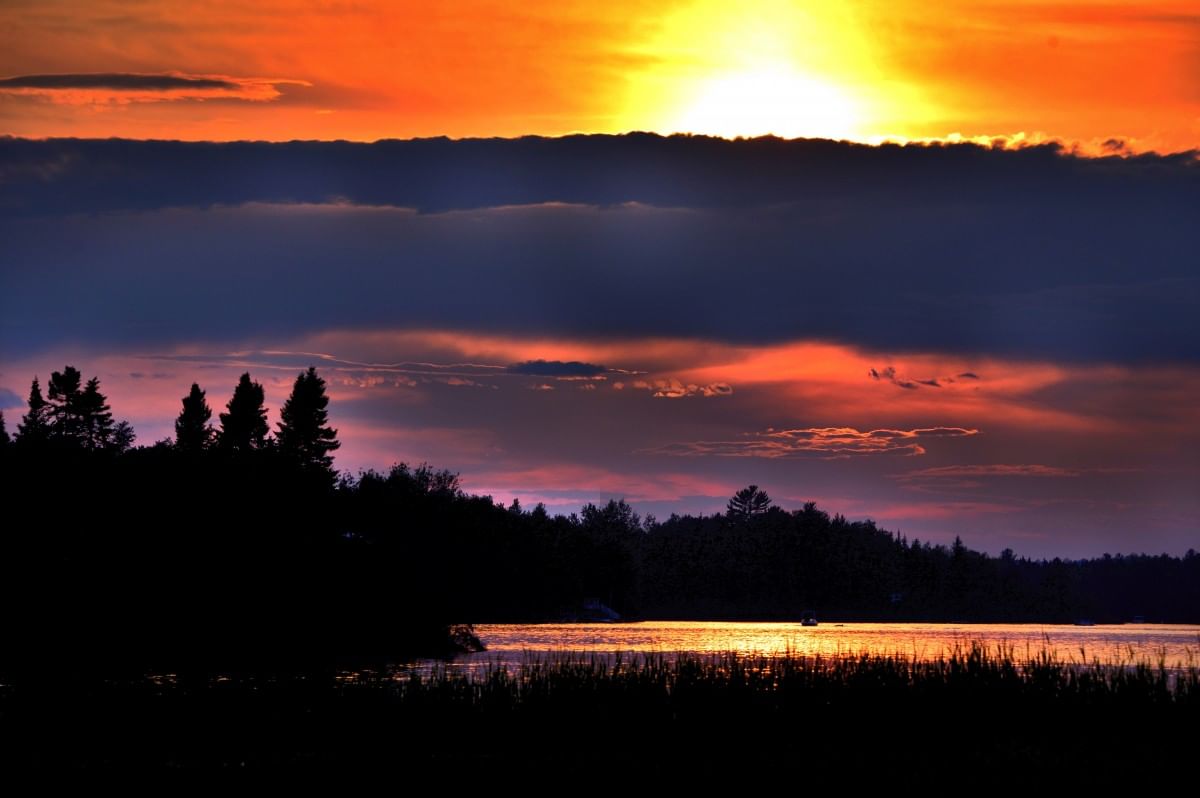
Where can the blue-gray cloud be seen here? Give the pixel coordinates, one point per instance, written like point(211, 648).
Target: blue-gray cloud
point(679, 171)
point(1027, 253)
point(9, 399)
point(557, 368)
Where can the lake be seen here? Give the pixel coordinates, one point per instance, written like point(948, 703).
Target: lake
point(511, 644)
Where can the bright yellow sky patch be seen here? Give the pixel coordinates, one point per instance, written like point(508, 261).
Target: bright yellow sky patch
point(767, 67)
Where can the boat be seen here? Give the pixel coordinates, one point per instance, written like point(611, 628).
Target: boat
point(808, 618)
point(593, 610)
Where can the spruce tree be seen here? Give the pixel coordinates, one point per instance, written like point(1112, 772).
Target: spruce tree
point(304, 431)
point(244, 427)
point(63, 412)
point(95, 421)
point(34, 428)
point(4, 440)
point(192, 431)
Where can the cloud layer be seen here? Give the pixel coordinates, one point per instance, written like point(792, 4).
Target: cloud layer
point(439, 174)
point(1027, 253)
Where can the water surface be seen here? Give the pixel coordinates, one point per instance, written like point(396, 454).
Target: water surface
point(512, 644)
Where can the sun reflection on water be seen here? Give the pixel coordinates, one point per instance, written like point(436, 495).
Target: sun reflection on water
point(512, 645)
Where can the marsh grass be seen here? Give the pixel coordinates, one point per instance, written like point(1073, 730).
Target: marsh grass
point(970, 708)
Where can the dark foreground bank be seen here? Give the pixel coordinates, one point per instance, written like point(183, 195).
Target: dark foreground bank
point(688, 715)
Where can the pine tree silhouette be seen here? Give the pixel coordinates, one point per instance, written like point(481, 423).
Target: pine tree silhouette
point(4, 439)
point(34, 428)
point(192, 431)
point(94, 417)
point(304, 431)
point(749, 501)
point(244, 427)
point(122, 438)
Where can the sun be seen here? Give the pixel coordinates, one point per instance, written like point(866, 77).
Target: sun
point(776, 100)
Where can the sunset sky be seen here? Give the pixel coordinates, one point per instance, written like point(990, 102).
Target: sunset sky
point(276, 70)
point(993, 331)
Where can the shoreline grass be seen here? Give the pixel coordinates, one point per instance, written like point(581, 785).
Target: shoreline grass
point(973, 707)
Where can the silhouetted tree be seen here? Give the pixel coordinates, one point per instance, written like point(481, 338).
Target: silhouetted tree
point(95, 421)
point(244, 427)
point(4, 440)
point(192, 430)
point(428, 480)
point(749, 501)
point(304, 431)
point(122, 437)
point(63, 406)
point(615, 519)
point(35, 426)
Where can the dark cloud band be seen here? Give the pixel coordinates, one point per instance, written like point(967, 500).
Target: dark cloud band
point(557, 368)
point(679, 171)
point(1022, 254)
point(114, 81)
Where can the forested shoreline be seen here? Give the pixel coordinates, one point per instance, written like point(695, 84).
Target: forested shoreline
point(231, 546)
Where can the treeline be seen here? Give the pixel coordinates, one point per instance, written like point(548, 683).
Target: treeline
point(218, 550)
point(230, 545)
point(753, 562)
point(772, 564)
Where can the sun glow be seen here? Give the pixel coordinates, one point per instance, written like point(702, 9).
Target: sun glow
point(767, 67)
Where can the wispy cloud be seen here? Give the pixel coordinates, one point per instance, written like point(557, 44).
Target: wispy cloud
point(565, 370)
point(410, 373)
point(675, 389)
point(821, 442)
point(983, 480)
point(993, 470)
point(116, 81)
point(889, 374)
point(128, 87)
point(287, 360)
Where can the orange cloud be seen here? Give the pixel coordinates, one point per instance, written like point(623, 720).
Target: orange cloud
point(674, 389)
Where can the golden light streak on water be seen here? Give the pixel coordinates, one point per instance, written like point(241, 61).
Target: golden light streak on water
point(510, 644)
